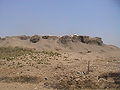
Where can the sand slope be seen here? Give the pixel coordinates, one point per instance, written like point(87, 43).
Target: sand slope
point(52, 65)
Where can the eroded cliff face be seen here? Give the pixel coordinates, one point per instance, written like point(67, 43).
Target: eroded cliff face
point(65, 39)
point(63, 43)
point(83, 39)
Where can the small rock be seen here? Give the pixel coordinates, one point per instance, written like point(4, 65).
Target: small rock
point(34, 39)
point(46, 78)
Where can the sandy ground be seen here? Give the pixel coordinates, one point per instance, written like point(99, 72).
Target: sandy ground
point(43, 71)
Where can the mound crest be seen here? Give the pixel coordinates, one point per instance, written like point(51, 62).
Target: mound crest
point(84, 39)
point(61, 39)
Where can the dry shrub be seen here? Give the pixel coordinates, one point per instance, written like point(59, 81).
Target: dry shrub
point(21, 79)
point(9, 53)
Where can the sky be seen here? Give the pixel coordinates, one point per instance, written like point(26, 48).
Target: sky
point(99, 18)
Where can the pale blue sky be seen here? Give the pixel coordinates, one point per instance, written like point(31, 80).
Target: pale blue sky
point(59, 17)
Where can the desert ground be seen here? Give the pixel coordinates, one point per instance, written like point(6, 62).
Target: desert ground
point(70, 62)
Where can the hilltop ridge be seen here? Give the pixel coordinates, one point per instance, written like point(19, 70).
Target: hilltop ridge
point(58, 62)
point(62, 39)
point(63, 43)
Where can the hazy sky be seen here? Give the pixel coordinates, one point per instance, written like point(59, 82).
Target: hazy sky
point(59, 17)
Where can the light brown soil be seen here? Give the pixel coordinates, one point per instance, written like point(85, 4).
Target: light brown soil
point(54, 66)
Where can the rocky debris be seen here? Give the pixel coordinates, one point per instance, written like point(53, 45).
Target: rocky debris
point(114, 75)
point(72, 82)
point(109, 80)
point(24, 37)
point(76, 38)
point(45, 37)
point(84, 39)
point(96, 41)
point(89, 40)
point(34, 39)
point(80, 80)
point(50, 37)
point(65, 39)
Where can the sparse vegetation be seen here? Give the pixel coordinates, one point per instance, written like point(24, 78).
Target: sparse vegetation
point(50, 53)
point(56, 66)
point(21, 79)
point(10, 53)
point(73, 82)
point(78, 82)
point(42, 61)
